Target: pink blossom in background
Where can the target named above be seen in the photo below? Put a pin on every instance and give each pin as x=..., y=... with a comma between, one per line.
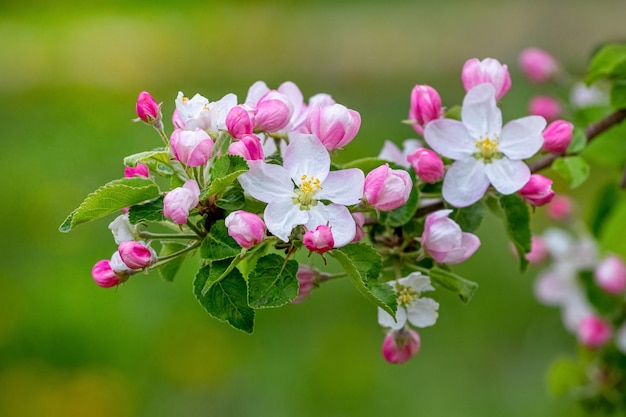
x=490, y=71
x=178, y=202
x=386, y=189
x=444, y=240
x=400, y=346
x=545, y=106
x=560, y=208
x=246, y=228
x=538, y=190
x=538, y=65
x=538, y=250
x=610, y=274
x=557, y=136
x=593, y=332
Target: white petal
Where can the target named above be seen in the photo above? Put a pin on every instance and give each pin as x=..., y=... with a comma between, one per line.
x=281, y=216
x=386, y=320
x=342, y=187
x=255, y=92
x=423, y=312
x=417, y=282
x=306, y=155
x=465, y=183
x=522, y=138
x=480, y=113
x=392, y=153
x=267, y=182
x=507, y=176
x=338, y=218
x=449, y=138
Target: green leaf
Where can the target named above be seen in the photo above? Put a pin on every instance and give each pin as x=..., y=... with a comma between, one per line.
x=232, y=199
x=151, y=211
x=158, y=154
x=169, y=269
x=403, y=214
x=365, y=164
x=572, y=169
x=604, y=303
x=605, y=202
x=454, y=112
x=111, y=198
x=218, y=244
x=618, y=95
x=608, y=63
x=517, y=222
x=158, y=160
x=564, y=375
x=363, y=265
x=224, y=171
x=578, y=143
x=226, y=298
x=450, y=281
x=613, y=230
x=272, y=282
x=469, y=218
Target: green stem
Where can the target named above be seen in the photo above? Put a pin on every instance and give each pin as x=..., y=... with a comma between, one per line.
x=165, y=259
x=166, y=236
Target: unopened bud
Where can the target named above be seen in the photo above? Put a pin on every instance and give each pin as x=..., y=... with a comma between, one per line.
x=427, y=165
x=557, y=136
x=538, y=190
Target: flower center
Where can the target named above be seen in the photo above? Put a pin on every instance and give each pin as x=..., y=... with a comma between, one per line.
x=487, y=149
x=306, y=190
x=406, y=295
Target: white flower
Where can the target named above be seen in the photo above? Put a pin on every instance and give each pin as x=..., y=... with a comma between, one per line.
x=122, y=230
x=484, y=151
x=417, y=310
x=197, y=112
x=294, y=191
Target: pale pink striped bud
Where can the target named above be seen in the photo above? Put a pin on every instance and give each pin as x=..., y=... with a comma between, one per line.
x=272, y=112
x=334, y=125
x=538, y=190
x=140, y=170
x=538, y=65
x=425, y=106
x=246, y=228
x=444, y=240
x=240, y=121
x=308, y=278
x=386, y=189
x=178, y=202
x=545, y=106
x=610, y=275
x=136, y=255
x=488, y=70
x=192, y=148
x=148, y=110
x=560, y=208
x=249, y=147
x=427, y=165
x=319, y=240
x=104, y=275
x=557, y=136
x=400, y=346
x=593, y=332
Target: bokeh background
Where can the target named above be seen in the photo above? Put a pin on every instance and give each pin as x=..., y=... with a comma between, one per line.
x=69, y=78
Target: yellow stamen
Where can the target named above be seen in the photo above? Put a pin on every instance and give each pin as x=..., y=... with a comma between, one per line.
x=487, y=149
x=406, y=295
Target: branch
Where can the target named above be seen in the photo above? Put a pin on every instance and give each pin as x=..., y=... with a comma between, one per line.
x=591, y=132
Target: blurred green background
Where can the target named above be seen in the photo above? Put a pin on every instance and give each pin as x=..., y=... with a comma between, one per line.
x=69, y=78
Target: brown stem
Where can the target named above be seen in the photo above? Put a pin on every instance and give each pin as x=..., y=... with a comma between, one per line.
x=429, y=209
x=591, y=132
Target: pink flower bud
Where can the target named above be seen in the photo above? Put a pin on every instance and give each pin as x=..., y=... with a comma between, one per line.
x=246, y=228
x=140, y=170
x=545, y=106
x=538, y=65
x=538, y=251
x=192, y=148
x=538, y=190
x=359, y=220
x=427, y=165
x=273, y=112
x=147, y=109
x=104, y=275
x=593, y=332
x=557, y=136
x=334, y=125
x=136, y=255
x=560, y=208
x=444, y=240
x=178, y=202
x=240, y=121
x=400, y=346
x=488, y=70
x=319, y=240
x=249, y=147
x=386, y=189
x=425, y=106
x=308, y=278
x=610, y=275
